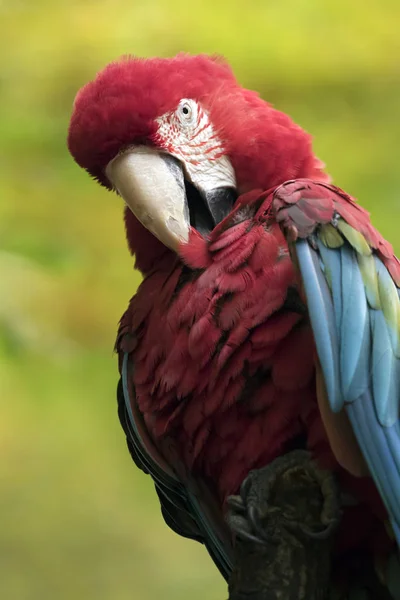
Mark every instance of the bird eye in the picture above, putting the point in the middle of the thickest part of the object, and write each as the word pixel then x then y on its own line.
pixel 187 112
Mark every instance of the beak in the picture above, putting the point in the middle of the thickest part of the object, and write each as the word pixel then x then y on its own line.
pixel 152 185
pixel 220 202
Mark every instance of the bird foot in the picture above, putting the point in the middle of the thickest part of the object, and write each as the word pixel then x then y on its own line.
pixel 283 519
pixel 290 494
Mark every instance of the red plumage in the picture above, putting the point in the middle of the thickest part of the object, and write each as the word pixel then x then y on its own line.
pixel 206 341
pixel 119 108
pixel 230 374
pixel 222 348
pixel 309 203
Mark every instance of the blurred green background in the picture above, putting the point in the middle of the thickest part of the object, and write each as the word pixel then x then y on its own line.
pixel 76 518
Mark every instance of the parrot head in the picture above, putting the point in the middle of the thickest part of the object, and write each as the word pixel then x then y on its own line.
pixel 179 139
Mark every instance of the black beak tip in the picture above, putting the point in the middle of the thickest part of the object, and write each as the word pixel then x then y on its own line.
pixel 220 202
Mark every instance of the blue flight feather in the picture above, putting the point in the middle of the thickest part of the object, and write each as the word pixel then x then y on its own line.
pixel 362 367
pixel 354 324
pixel 322 318
pixel 331 260
pixel 384 372
pixel 389 292
pixel 381 462
pixel 392 436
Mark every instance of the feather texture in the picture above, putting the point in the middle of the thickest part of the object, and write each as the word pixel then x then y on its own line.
pixel 186 510
pixel 230 376
pixel 353 299
pixel 220 338
pixel 197 377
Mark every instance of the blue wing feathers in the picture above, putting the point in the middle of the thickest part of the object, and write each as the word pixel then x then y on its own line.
pixel 385 372
pixel 362 366
pixel 390 305
pixel 388 473
pixel 392 437
pixel 381 463
pixel 354 327
pixel 321 315
pixel 361 428
pixel 331 260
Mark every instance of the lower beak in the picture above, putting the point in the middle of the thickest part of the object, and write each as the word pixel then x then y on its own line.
pixel 220 202
pixel 152 185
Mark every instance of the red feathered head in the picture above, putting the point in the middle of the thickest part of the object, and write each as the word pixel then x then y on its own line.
pixel 162 131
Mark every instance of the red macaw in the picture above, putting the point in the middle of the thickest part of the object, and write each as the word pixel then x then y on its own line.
pixel 268 317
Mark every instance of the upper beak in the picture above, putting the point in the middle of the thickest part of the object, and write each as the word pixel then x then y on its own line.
pixel 152 185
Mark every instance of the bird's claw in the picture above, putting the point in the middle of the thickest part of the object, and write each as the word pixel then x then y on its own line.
pixel 242 520
pixel 291 496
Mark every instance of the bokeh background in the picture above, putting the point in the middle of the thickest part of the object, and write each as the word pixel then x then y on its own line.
pixel 76 518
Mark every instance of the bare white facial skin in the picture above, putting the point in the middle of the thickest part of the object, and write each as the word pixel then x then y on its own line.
pixel 154 189
pixel 188 134
pixel 153 193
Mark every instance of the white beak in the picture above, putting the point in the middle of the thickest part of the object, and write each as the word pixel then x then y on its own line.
pixel 152 185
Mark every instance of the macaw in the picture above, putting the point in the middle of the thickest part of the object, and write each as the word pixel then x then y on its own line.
pixel 268 319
